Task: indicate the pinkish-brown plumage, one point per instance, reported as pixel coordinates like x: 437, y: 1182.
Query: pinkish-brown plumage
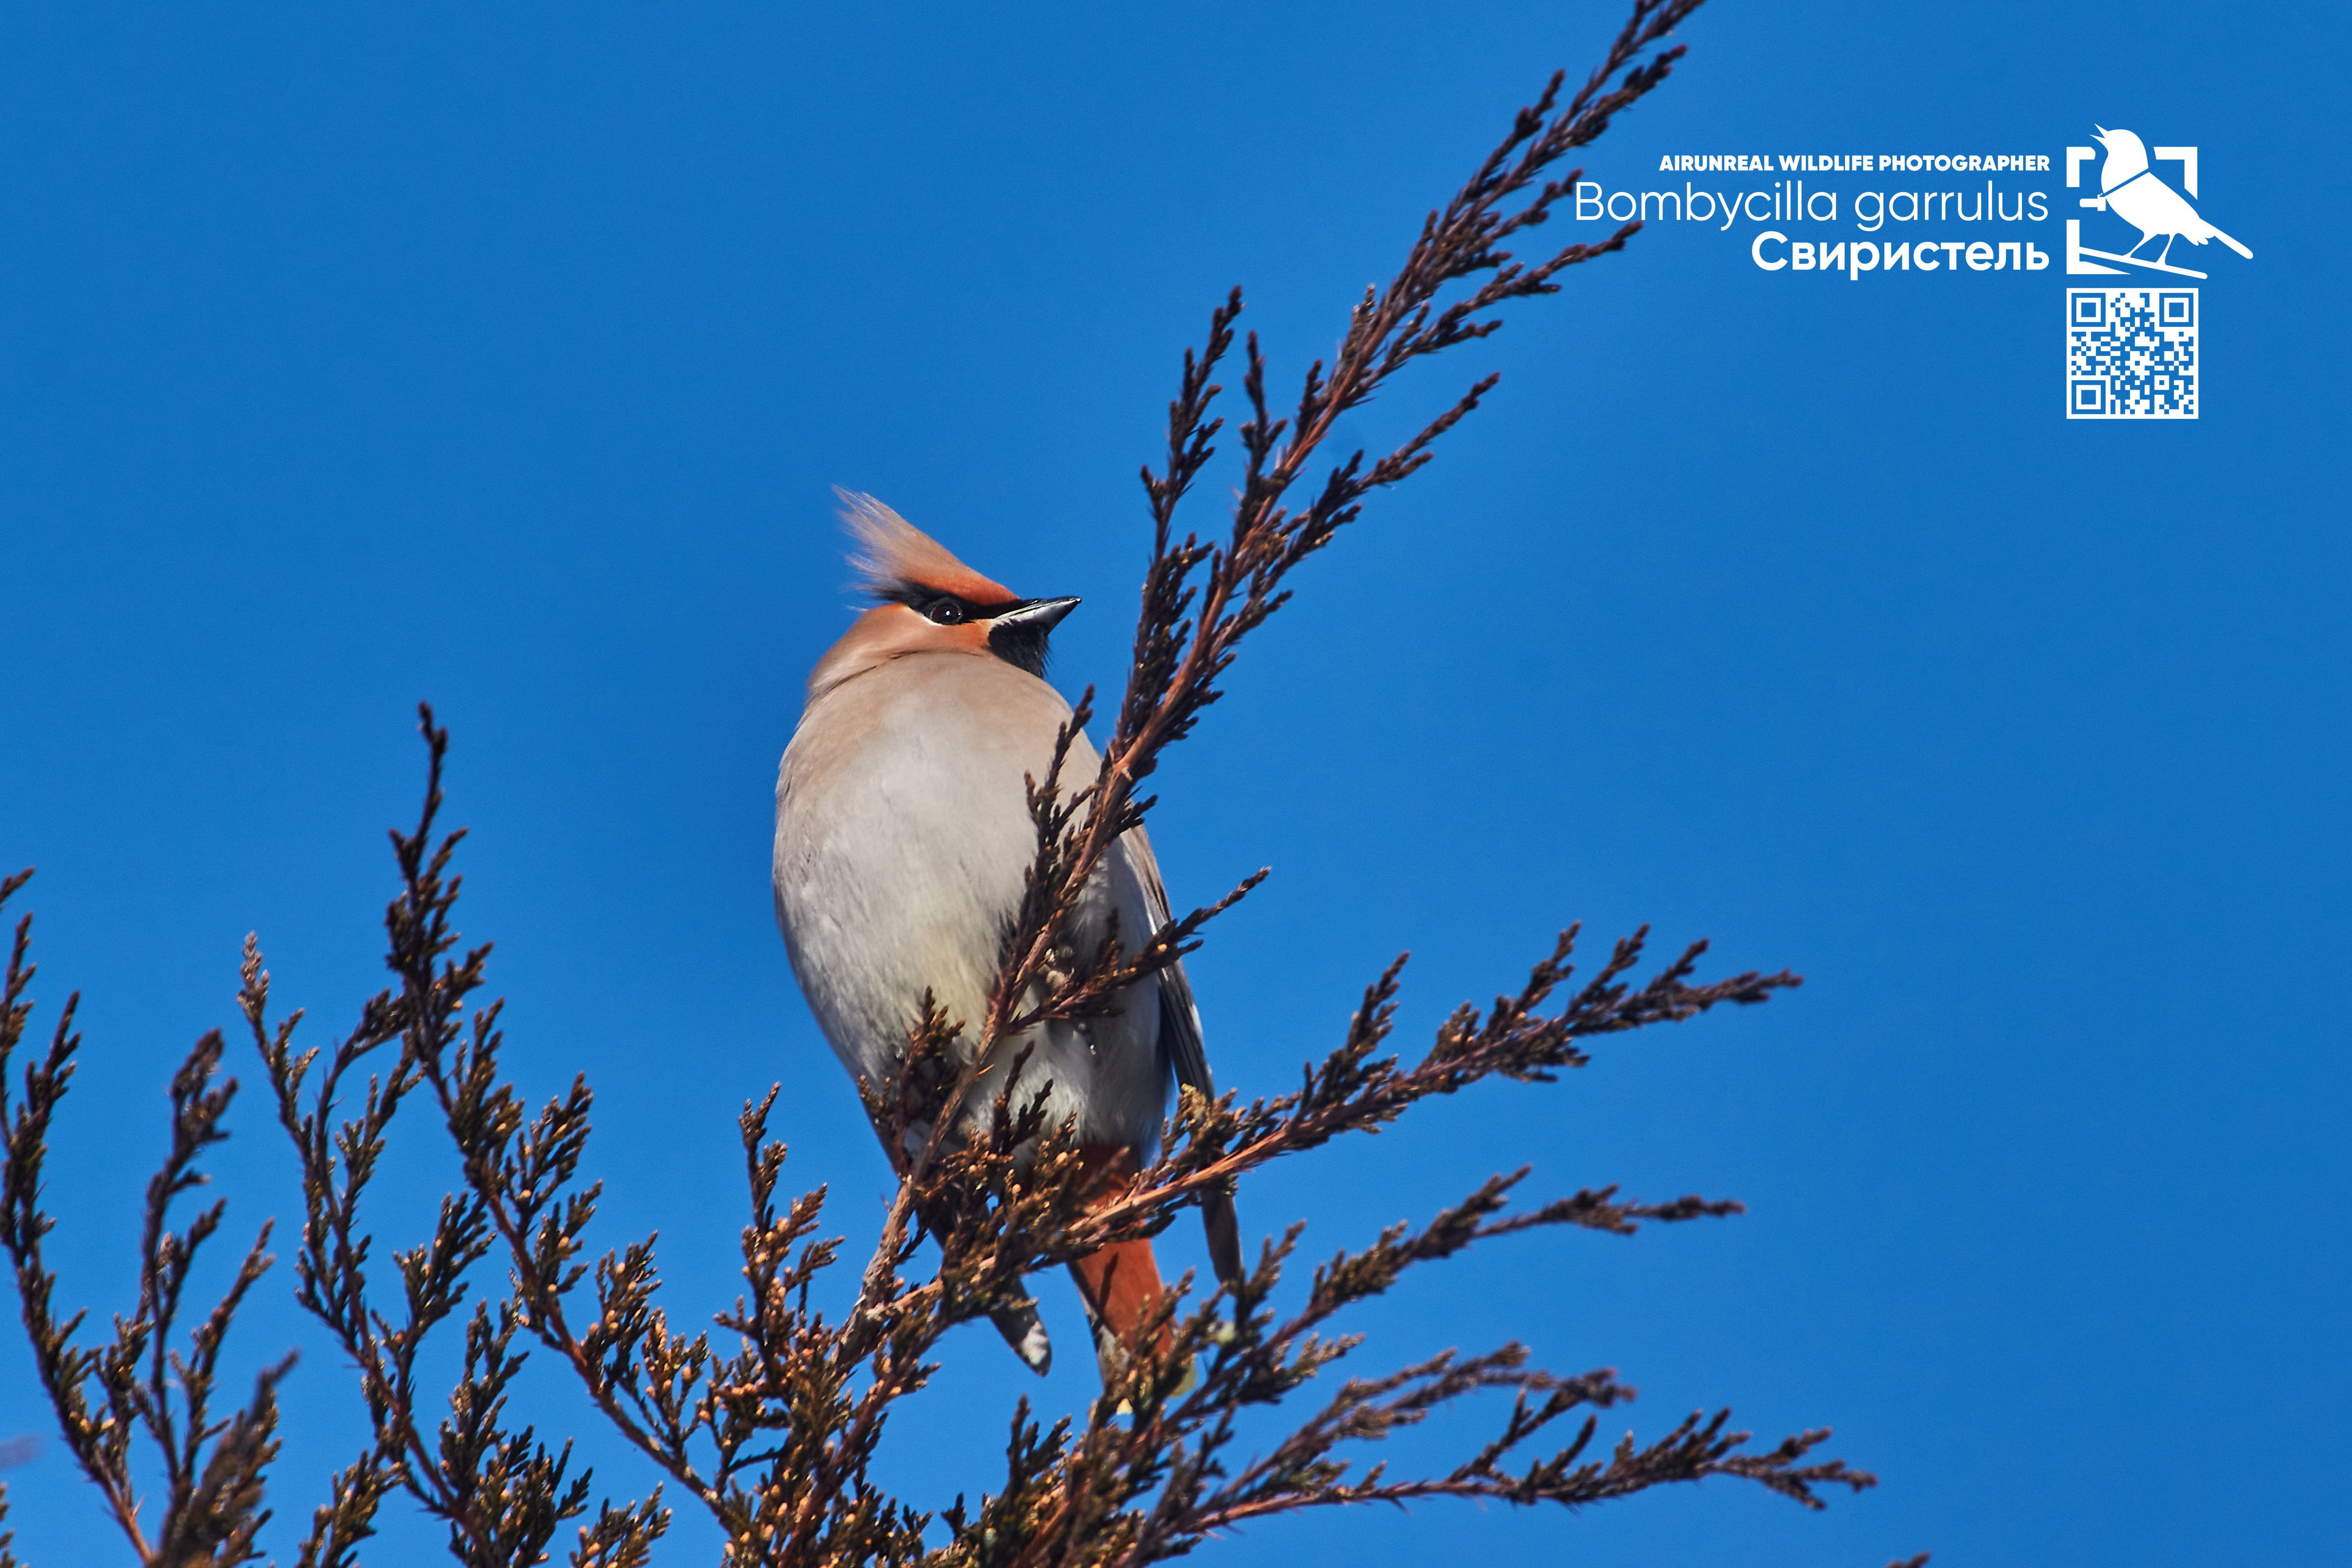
x: 903, y: 846
x: 892, y: 554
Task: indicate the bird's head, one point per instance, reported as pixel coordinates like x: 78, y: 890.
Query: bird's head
x: 2127, y: 153
x: 931, y: 603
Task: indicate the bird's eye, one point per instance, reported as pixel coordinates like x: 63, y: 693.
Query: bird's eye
x: 945, y: 612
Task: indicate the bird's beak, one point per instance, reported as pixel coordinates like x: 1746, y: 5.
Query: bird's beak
x: 1038, y: 615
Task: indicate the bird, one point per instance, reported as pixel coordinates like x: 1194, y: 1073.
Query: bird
x: 2132, y: 191
x: 903, y: 838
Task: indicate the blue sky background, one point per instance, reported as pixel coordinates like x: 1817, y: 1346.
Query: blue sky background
x: 356, y: 354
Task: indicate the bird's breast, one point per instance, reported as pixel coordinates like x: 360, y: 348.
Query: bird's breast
x: 903, y: 837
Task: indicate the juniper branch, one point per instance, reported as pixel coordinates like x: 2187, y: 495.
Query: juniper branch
x: 139, y: 1381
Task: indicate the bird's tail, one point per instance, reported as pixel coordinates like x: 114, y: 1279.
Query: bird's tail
x: 1121, y: 1288
x: 1120, y: 1284
x: 2231, y: 243
x: 1025, y: 1330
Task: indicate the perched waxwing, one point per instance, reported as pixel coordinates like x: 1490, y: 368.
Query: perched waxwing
x: 902, y: 837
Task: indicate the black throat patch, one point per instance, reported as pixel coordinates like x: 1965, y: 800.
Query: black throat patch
x: 1021, y: 644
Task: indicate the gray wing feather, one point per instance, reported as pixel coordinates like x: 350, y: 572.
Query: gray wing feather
x: 1180, y: 1037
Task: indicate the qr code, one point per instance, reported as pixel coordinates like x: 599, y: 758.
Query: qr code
x: 2131, y: 354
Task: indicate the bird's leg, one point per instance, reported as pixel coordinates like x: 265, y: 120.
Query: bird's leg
x: 2143, y: 240
x: 2167, y: 251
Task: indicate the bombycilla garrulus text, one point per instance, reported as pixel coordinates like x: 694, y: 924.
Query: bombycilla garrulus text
x: 903, y: 833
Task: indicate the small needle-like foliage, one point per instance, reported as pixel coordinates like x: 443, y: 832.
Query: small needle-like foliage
x: 137, y: 1386
x: 770, y: 1416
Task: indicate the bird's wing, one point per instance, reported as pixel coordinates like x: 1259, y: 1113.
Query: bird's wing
x: 1180, y: 1029
x: 2168, y: 211
x: 2159, y: 209
x: 1179, y: 1034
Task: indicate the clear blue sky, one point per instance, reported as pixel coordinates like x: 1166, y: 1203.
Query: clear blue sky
x: 355, y: 354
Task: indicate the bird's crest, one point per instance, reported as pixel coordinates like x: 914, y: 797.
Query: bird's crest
x: 894, y: 555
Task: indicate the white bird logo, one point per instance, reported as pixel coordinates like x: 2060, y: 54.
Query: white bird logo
x: 2129, y: 189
